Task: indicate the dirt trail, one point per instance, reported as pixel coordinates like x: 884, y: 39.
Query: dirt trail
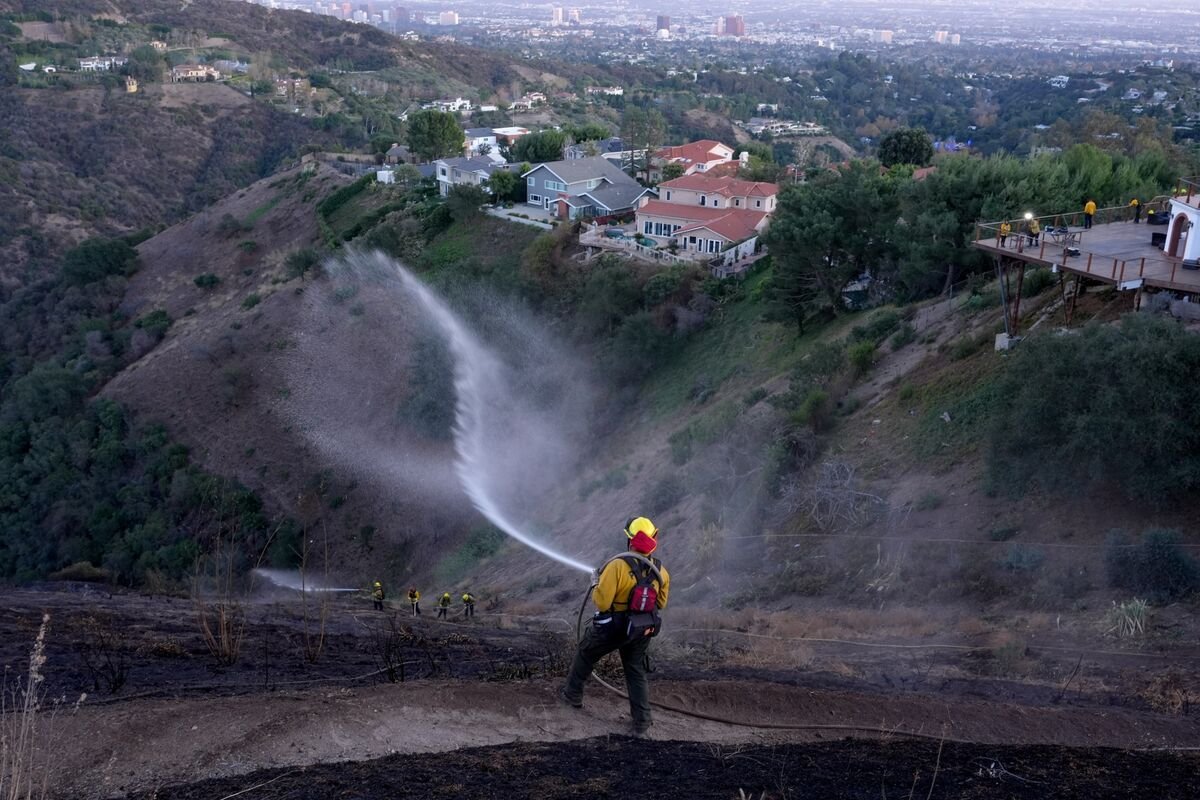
x: 144, y: 744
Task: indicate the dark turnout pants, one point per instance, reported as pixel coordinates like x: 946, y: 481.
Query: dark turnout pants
x: 598, y: 643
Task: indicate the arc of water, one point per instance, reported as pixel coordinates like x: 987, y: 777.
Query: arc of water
x: 471, y: 364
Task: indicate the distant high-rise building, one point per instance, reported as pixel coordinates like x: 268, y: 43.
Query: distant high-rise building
x: 955, y: 39
x: 881, y: 37
x: 575, y: 16
x: 664, y: 23
x: 735, y: 25
x: 557, y: 15
x: 719, y: 28
x: 448, y: 18
x: 940, y: 37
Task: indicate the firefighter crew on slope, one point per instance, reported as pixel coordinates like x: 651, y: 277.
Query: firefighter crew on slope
x: 631, y: 590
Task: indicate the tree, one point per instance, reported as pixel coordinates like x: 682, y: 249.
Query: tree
x: 643, y: 129
x: 434, y: 134
x: 588, y: 132
x: 96, y: 259
x: 906, y: 146
x: 503, y: 184
x: 826, y: 232
x: 672, y: 171
x: 539, y: 147
x: 465, y: 201
x: 146, y: 64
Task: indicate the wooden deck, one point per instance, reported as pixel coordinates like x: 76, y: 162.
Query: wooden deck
x: 1119, y: 253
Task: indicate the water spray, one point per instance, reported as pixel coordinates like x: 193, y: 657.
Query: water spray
x: 474, y: 368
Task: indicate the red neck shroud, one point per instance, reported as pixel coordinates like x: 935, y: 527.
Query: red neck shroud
x: 642, y: 543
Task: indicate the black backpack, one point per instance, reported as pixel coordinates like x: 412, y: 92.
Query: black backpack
x: 644, y: 621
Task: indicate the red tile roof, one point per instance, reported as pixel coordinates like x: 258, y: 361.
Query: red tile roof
x: 733, y: 224
x: 693, y: 152
x: 726, y: 187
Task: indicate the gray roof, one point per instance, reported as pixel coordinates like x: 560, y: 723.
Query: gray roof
x: 478, y: 133
x: 617, y: 197
x: 473, y: 164
x: 582, y: 169
x: 398, y: 150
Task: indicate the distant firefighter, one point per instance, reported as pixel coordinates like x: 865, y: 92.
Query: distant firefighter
x: 377, y: 595
x: 631, y: 590
x: 1005, y: 230
x: 468, y: 604
x: 1089, y: 213
x: 414, y: 600
x: 443, y: 605
x: 1136, y: 205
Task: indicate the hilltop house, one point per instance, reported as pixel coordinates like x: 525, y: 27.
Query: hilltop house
x: 458, y: 105
x: 194, y: 73
x: 478, y: 137
x: 470, y: 171
x: 612, y: 148
x: 695, y: 157
x: 102, y: 63
x: 700, y: 230
x: 400, y: 154
x: 583, y: 187
x: 708, y: 191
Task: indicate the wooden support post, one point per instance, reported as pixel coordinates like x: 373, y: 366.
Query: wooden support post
x: 1121, y: 277
x: 1114, y: 269
x: 1173, y: 265
x: 1016, y: 312
x: 1142, y: 268
x: 1089, y: 264
x: 1074, y: 300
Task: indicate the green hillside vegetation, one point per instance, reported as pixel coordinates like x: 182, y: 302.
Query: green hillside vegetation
x: 84, y: 484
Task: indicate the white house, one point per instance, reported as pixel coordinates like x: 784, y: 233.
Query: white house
x: 102, y: 63
x: 385, y: 176
x: 475, y: 138
x: 1183, y: 230
x: 701, y: 230
x: 465, y: 172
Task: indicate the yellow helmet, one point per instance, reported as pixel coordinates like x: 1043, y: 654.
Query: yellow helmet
x: 642, y: 535
x: 377, y: 583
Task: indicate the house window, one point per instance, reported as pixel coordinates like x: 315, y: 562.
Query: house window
x: 535, y: 198
x: 737, y: 201
x: 442, y: 171
x: 531, y: 181
x: 703, y: 200
x: 668, y: 194
x: 758, y: 203
x: 556, y: 186
x: 648, y: 228
x: 593, y: 183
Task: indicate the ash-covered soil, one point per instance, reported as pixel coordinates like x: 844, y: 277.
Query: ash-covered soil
x: 624, y: 767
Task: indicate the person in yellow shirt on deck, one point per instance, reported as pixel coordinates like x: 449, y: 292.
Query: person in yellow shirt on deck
x: 630, y: 591
x: 1089, y: 211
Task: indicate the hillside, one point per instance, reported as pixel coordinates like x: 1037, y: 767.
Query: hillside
x: 99, y: 161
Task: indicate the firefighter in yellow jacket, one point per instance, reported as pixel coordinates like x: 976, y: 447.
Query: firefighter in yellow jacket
x: 414, y: 600
x: 630, y: 591
x: 468, y: 605
x: 377, y: 595
x: 443, y: 605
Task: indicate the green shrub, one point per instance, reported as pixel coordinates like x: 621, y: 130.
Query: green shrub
x: 1105, y: 405
x: 84, y: 571
x: 155, y: 323
x: 876, y: 329
x: 300, y: 262
x: 906, y: 334
x: 861, y: 356
x: 1036, y: 281
x: 754, y: 397
x: 1022, y: 559
x: 206, y: 281
x: 96, y: 259
x: 251, y: 300
x: 248, y: 246
x: 815, y: 411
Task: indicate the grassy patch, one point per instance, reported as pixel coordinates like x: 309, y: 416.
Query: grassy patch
x: 966, y: 395
x: 258, y: 213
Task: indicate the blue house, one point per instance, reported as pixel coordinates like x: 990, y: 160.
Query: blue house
x: 583, y: 187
